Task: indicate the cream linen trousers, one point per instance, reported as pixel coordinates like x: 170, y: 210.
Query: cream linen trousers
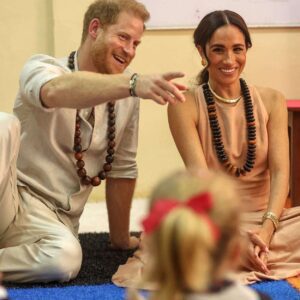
x: 34, y: 245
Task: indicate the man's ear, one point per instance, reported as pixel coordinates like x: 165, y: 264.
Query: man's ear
x: 94, y: 26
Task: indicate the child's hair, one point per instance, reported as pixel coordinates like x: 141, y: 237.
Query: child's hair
x: 184, y: 248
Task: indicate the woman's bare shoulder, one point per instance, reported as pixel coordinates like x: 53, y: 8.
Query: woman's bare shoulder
x: 190, y: 94
x: 187, y: 108
x: 271, y: 97
x: 189, y: 102
x: 268, y: 92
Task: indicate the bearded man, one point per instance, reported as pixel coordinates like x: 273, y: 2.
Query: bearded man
x: 76, y: 125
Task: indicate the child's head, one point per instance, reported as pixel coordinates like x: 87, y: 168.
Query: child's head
x: 188, y: 242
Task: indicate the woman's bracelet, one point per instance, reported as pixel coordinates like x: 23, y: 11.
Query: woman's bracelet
x: 271, y: 216
x: 132, y: 85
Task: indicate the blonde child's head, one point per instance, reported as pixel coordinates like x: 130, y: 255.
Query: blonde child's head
x: 188, y: 244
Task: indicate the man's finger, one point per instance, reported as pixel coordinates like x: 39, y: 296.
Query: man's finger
x: 173, y: 91
x: 181, y: 87
x: 172, y: 75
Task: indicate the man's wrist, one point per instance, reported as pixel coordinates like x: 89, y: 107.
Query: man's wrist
x: 132, y: 85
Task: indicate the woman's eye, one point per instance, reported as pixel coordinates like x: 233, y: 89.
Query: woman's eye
x: 217, y: 50
x: 238, y: 49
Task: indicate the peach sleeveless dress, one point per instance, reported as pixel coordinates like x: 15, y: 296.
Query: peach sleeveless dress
x: 254, y: 189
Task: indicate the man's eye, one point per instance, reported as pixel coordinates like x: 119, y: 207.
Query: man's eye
x: 122, y: 37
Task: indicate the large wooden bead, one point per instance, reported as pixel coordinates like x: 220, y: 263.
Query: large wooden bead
x: 112, y: 129
x: 111, y: 122
x: 246, y: 168
x: 102, y: 175
x: 223, y: 158
x: 251, y: 155
x: 112, y: 116
x: 110, y: 151
x: 77, y: 132
x: 77, y: 148
x: 107, y: 167
x: 86, y: 180
x: 81, y: 172
x: 249, y: 164
x: 111, y: 136
x: 109, y: 159
x: 111, y: 144
x: 78, y: 155
x: 77, y: 140
x: 80, y: 164
x: 96, y: 181
x: 252, y: 146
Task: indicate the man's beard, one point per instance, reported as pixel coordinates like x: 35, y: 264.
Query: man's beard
x: 100, y: 60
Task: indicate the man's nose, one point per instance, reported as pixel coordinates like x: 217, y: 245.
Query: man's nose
x: 129, y: 49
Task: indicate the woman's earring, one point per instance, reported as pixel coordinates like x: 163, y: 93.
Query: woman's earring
x: 204, y: 62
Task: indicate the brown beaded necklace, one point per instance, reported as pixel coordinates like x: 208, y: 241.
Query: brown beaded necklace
x: 217, y: 136
x: 81, y: 171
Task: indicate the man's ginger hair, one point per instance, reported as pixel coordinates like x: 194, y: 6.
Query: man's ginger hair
x: 108, y: 11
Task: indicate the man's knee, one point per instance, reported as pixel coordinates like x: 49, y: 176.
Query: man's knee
x: 63, y: 261
x: 69, y: 259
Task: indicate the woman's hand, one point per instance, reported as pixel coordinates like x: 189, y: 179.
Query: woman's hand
x: 258, y: 248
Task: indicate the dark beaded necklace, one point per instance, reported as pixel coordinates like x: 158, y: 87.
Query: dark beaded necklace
x: 217, y: 136
x: 81, y: 171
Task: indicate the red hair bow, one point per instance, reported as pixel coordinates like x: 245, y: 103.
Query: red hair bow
x: 200, y: 204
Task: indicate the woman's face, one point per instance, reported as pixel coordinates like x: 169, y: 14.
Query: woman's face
x: 226, y: 52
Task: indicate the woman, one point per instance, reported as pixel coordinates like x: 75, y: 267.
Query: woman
x: 228, y: 124
x: 231, y: 125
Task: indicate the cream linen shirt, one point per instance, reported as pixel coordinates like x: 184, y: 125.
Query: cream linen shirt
x: 46, y: 163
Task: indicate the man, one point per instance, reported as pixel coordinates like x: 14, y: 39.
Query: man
x: 79, y: 122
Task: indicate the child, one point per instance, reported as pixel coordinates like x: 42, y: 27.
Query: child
x: 192, y: 235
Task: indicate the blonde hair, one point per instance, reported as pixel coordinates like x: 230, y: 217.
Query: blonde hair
x: 185, y: 254
x: 107, y: 11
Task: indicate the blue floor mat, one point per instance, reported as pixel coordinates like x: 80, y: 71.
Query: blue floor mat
x: 278, y: 290
x: 92, y: 292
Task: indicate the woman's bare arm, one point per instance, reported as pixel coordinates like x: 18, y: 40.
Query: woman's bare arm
x: 183, y: 122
